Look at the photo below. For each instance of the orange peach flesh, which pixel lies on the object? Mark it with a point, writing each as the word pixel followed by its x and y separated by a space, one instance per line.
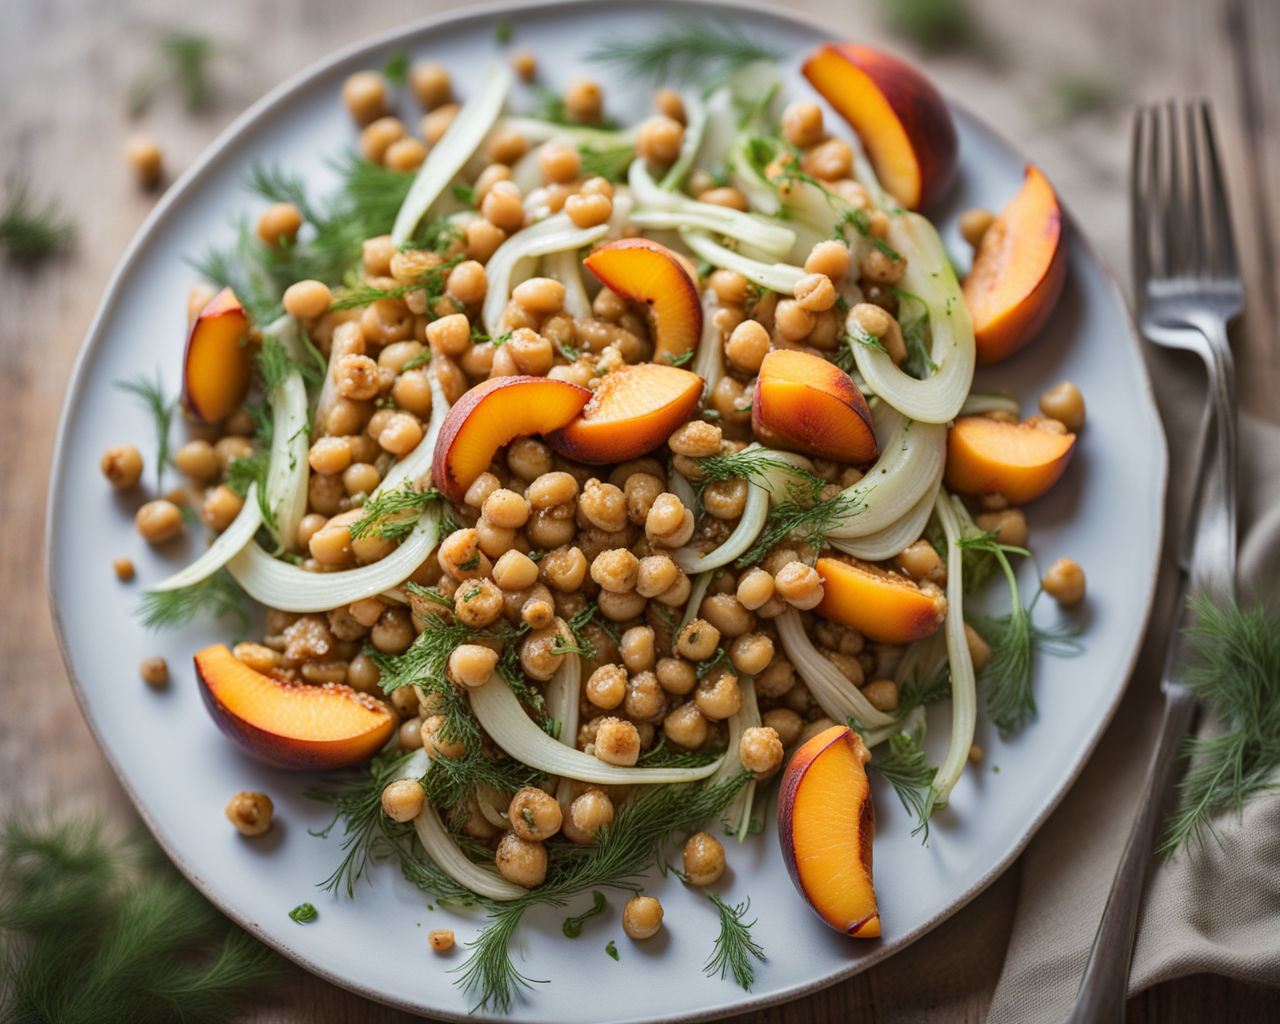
pixel 803 403
pixel 826 824
pixel 216 369
pixel 903 122
pixel 290 725
pixel 1018 272
pixel 493 414
pixel 985 456
pixel 882 606
pixel 632 411
pixel 647 272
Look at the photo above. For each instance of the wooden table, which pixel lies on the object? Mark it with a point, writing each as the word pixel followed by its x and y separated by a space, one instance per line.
pixel 65 69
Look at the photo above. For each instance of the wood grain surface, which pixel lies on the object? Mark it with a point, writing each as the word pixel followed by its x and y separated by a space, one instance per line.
pixel 65 69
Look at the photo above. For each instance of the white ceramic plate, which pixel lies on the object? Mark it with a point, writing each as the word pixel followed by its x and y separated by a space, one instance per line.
pixel 180 770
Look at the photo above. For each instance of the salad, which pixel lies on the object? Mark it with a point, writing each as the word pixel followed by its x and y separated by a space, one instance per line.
pixel 602 482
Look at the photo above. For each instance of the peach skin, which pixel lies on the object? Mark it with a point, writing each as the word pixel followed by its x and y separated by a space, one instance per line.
pixel 904 123
pixel 495 413
pixel 633 410
pixel 291 725
pixel 803 403
pixel 1019 460
pixel 647 272
pixel 883 606
pixel 826 824
pixel 215 367
pixel 1018 271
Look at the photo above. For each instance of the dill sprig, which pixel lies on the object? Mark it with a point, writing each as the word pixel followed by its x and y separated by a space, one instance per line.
pixel 662 756
pixel 275 364
pixel 804 520
pixel 254 469
pixel 908 771
pixel 180 58
pixel 734 946
pixel 622 851
pixel 393 514
pixel 611 163
pixel 432 281
pixel 396 69
pixel 1015 641
pixel 691 51
pixel 96 929
pixel 171 609
pixel 452 779
pixel 753 466
pixel 572 926
pixel 29 230
pixel 915 335
pixel 304 913
pixel 916 693
pixel 1236 674
pixel 151 394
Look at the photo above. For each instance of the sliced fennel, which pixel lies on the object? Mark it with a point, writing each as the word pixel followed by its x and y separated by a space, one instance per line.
pixel 280 585
pixel 709 364
pixel 976 405
pixel 417 464
pixel 504 719
pixel 929 276
pixel 288 470
pixel 777 277
pixel 737 816
pixel 913 722
pixel 910 463
pixel 893 539
pixel 565 267
pixel 537 131
pixel 563 695
pixel 754 515
pixel 441 848
pixel 696 593
pixel 555 234
pixel 838 697
pixel 222 550
pixel 451 153
pixel 964 697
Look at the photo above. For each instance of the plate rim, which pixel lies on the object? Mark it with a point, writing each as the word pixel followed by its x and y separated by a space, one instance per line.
pixel 204 165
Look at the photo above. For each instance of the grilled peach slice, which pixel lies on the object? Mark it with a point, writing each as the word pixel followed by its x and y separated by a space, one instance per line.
pixel 215 368
pixel 493 414
pixel 1019 460
pixel 883 606
pixel 291 725
pixel 904 123
pixel 826 824
pixel 1018 271
pixel 632 410
pixel 647 272
pixel 803 403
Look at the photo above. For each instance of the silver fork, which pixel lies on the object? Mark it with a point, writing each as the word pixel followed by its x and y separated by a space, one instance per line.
pixel 1188 289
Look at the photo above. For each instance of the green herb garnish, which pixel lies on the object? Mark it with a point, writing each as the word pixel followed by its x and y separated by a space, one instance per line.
pixel 396 69
pixel 692 50
pixel 304 913
pixel 151 394
pixel 611 949
pixel 218 594
pixel 734 946
pixel 393 514
pixel 908 771
pixel 572 926
pixel 182 59
pixel 610 163
pixel 31 231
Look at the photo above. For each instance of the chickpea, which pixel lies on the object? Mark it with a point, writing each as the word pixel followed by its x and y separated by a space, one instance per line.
pixel 604 506
pixel 307 300
pixel 616 570
pixel 815 292
pixel 311 523
pixel 882 694
pixel 655 574
pixel 220 508
pixel 365 96
pixel 792 320
pixel 278 226
pixel 718 695
pixel 830 160
pixel 524 64
pixel 979 649
pixel 747 346
pixel 440 939
pixel 879 267
pixel 588 211
pixel 506 146
pixel 378 136
pixel 436 123
pixel 830 258
pixel 799 585
pixel 430 83
pixel 478 603
pixel 143 156
pixel 645 700
pixel 1010 526
pixel 1065 404
pixel 921 561
pixel 401 434
pixel 537 656
pixel 123 568
pixel 483 240
pixel 786 723
pixel 195 459
pixel 534 814
pixel 658 140
pixel 760 750
pixel 617 742
pixel 393 632
pixel 331 544
pixel 755 588
pixel 676 675
pixel 468 283
pixel 159 521
pixel 406 154
pixel 521 861
pixel 698 640
pixel 250 813
pixel 326 494
pixel 640 491
pixel 703 859
pixel 607 687
pixel 502 205
pixel 564 568
pixel 974 224
pixel 1064 582
pixel 686 726
pixel 583 101
pixel 155 671
pixel 777 679
pixel 669 523
pixel 403 799
pixel 696 439
pixel 751 653
pixel 122 465
pixel 638 649
pixel 589 812
pixel 727 615
pixel 410 735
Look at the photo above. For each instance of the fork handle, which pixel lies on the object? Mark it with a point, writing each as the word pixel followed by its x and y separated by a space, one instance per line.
pixel 1104 988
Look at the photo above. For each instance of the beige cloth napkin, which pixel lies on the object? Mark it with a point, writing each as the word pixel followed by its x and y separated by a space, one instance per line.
pixel 1216 910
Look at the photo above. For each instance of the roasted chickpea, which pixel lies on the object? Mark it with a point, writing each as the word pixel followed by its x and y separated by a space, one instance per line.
pixel 529 459
pixel 686 726
pixel 640 491
pixel 815 292
pixel 478 603
pixel 534 814
pixel 792 320
pixel 436 123
pixel 607 687
pixel 583 101
pixel 658 140
pixel 645 700
pixel 524 64
pixel 777 679
pixel 123 568
pixel 760 750
pixel 220 508
pixel 403 799
pixel 802 124
pixel 143 156
pixel 468 283
pixel 637 648
pixel 718 695
pixel 365 96
pixel 250 813
pixel 882 694
pixel 502 205
pixel 536 651
pixel 703 859
pixel 617 742
pixel 589 812
pixel 378 136
pixel 676 675
pixel 588 211
pixel 921 561
pixel 974 223
pixel 748 345
pixel 122 465
pixel 159 521
pixel 1065 404
pixel 440 939
pixel 430 83
pixel 642 916
pixel 521 861
pixel 786 723
pixel 472 664
pixel 830 258
pixel 278 226
pixel 750 653
pixel 755 588
pixel 1010 526
pixel 727 615
pixel 198 460
pixel 155 672
pixel 393 632
pixel 799 585
pixel 829 160
pixel 696 439
pixel 1064 582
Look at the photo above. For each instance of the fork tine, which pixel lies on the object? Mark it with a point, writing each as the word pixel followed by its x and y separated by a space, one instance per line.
pixel 1198 230
pixel 1139 202
pixel 1177 206
pixel 1220 211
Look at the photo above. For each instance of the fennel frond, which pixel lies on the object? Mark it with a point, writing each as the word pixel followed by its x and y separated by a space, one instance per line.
pixel 151 394
pixel 31 231
pixel 734 946
pixel 171 609
pixel 692 50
